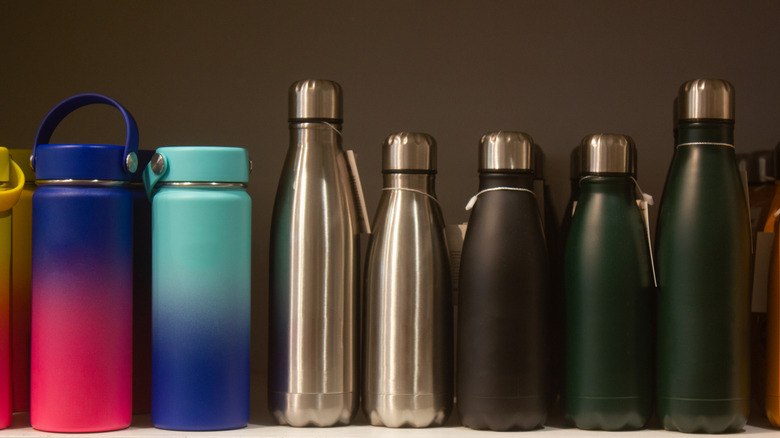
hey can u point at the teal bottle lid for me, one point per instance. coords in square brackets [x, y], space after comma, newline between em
[211, 165]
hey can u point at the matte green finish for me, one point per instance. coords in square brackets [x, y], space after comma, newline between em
[703, 263]
[609, 311]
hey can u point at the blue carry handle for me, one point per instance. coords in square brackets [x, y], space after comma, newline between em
[58, 113]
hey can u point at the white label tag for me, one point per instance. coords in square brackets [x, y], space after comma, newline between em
[644, 206]
[357, 193]
[744, 177]
[761, 267]
[455, 233]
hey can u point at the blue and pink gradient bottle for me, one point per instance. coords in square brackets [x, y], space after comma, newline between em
[82, 278]
[201, 253]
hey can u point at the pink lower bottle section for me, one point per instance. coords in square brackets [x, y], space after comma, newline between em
[81, 362]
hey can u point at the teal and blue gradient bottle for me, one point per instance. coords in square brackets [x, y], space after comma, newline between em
[201, 245]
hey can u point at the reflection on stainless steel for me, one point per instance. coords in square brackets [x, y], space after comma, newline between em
[408, 368]
[706, 99]
[314, 275]
[495, 156]
[607, 153]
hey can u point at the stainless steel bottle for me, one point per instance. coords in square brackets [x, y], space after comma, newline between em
[408, 374]
[314, 258]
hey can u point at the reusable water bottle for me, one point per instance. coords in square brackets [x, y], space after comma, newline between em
[703, 266]
[504, 339]
[408, 375]
[759, 168]
[11, 187]
[201, 253]
[21, 261]
[312, 370]
[82, 278]
[772, 316]
[609, 286]
[142, 288]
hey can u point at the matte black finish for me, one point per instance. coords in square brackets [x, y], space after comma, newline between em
[504, 366]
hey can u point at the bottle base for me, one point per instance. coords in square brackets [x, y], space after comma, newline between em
[320, 410]
[44, 427]
[703, 416]
[503, 413]
[611, 414]
[425, 410]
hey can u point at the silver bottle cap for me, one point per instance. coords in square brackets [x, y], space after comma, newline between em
[574, 163]
[405, 151]
[607, 154]
[506, 150]
[706, 99]
[315, 99]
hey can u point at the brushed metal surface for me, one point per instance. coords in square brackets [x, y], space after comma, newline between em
[607, 153]
[506, 150]
[408, 331]
[706, 99]
[313, 284]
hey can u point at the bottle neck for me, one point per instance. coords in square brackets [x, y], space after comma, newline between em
[706, 131]
[492, 179]
[424, 182]
[621, 184]
[319, 133]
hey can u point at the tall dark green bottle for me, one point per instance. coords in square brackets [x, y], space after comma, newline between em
[703, 265]
[609, 285]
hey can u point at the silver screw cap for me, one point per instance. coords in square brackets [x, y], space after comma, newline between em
[607, 154]
[706, 99]
[317, 99]
[405, 151]
[506, 150]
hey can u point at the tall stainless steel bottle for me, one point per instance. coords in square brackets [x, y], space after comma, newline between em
[408, 374]
[703, 262]
[312, 375]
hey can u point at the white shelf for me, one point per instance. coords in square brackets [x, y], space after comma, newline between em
[142, 427]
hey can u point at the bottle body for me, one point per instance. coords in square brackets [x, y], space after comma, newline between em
[766, 327]
[609, 309]
[313, 279]
[21, 277]
[6, 399]
[201, 308]
[703, 263]
[408, 375]
[504, 344]
[82, 289]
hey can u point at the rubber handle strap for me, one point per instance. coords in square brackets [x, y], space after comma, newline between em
[10, 196]
[67, 106]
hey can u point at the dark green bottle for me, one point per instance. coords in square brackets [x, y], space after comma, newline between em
[609, 285]
[703, 265]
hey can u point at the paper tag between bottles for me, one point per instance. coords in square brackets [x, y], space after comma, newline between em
[455, 234]
[357, 193]
[761, 266]
[644, 206]
[744, 177]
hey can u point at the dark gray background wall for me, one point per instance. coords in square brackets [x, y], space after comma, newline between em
[217, 73]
